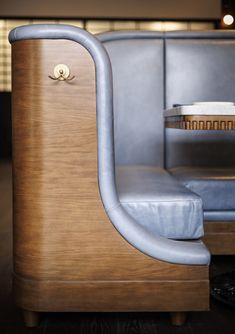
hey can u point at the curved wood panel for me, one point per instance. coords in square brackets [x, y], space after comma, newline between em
[61, 231]
[112, 296]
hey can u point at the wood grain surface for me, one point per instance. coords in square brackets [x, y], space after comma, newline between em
[112, 296]
[61, 231]
[220, 237]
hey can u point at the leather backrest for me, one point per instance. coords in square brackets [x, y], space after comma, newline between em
[137, 65]
[200, 66]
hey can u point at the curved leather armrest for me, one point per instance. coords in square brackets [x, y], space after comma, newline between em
[153, 245]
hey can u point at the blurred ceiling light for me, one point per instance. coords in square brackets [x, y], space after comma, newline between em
[228, 19]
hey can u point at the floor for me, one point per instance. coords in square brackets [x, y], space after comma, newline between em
[221, 319]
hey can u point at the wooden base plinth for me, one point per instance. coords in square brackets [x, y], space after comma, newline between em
[99, 296]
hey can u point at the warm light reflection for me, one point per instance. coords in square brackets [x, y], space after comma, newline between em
[93, 26]
[228, 19]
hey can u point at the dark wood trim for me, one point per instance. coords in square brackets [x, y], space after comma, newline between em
[201, 122]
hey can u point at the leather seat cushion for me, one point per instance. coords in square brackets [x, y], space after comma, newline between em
[160, 203]
[216, 187]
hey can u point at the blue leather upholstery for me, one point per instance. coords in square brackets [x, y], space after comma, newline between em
[137, 65]
[208, 62]
[219, 216]
[160, 203]
[216, 187]
[131, 229]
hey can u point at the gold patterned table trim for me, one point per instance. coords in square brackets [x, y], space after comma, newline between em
[201, 122]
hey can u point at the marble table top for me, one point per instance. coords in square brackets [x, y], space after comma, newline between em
[202, 108]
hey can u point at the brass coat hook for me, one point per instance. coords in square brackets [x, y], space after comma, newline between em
[61, 73]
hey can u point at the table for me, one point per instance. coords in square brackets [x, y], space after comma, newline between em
[214, 116]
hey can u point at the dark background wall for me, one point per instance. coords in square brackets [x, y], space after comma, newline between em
[171, 9]
[5, 125]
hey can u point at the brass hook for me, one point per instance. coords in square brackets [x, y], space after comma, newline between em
[61, 73]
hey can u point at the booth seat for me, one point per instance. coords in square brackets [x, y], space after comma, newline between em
[215, 186]
[177, 68]
[99, 222]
